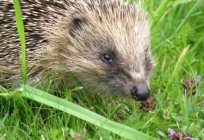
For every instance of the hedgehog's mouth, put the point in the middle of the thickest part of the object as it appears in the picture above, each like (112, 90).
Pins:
(139, 98)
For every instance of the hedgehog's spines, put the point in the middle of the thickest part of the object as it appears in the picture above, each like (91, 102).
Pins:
(74, 35)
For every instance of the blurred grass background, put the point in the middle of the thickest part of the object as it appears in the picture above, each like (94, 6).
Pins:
(175, 25)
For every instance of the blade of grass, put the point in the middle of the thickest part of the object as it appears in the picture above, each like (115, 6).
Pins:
(195, 6)
(21, 33)
(178, 64)
(82, 113)
(161, 11)
(181, 2)
(175, 71)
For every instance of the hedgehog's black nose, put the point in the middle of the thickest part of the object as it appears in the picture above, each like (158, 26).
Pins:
(140, 92)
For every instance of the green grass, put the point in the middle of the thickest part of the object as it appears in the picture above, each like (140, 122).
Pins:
(175, 27)
(21, 32)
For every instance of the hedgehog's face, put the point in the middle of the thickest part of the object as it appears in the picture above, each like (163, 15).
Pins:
(110, 53)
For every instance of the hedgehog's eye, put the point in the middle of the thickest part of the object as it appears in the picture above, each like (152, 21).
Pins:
(108, 58)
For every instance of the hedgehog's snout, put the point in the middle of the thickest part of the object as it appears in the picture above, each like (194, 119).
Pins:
(140, 92)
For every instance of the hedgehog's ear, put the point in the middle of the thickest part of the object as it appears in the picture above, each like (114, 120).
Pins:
(78, 23)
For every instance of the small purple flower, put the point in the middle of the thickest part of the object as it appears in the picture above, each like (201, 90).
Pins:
(179, 135)
(171, 132)
(197, 78)
(187, 138)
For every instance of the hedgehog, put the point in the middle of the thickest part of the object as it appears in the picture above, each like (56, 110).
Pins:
(105, 44)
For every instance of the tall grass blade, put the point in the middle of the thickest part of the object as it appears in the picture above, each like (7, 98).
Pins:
(178, 64)
(195, 6)
(82, 113)
(161, 12)
(181, 2)
(20, 28)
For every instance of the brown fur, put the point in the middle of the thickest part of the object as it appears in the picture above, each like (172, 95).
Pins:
(73, 35)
